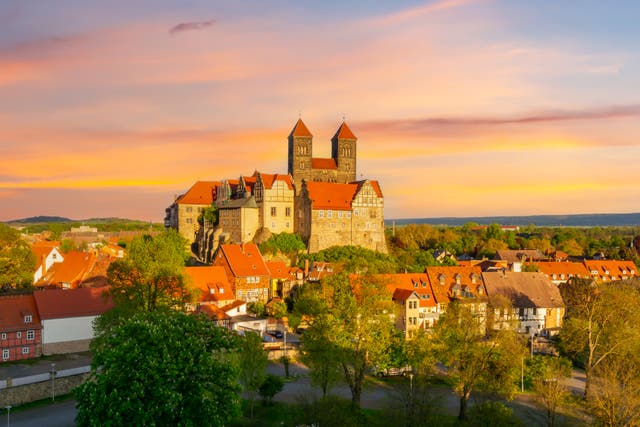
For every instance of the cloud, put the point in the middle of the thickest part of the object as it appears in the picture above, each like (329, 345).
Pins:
(188, 26)
(399, 17)
(411, 126)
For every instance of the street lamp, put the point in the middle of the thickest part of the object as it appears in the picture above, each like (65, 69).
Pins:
(285, 343)
(410, 398)
(53, 381)
(8, 407)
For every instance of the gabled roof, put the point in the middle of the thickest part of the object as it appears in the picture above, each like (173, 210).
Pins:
(374, 184)
(329, 195)
(200, 193)
(13, 309)
(525, 290)
(278, 269)
(318, 163)
(567, 269)
(75, 267)
(244, 259)
(402, 285)
(212, 312)
(46, 244)
(61, 304)
(40, 252)
(269, 179)
(519, 255)
(212, 282)
(344, 132)
(300, 129)
(233, 305)
(445, 280)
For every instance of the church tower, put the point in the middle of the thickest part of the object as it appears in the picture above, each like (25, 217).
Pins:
(343, 151)
(300, 148)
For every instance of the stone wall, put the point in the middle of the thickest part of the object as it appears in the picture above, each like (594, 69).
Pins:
(77, 346)
(31, 392)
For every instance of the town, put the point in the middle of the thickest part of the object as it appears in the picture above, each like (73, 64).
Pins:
(303, 260)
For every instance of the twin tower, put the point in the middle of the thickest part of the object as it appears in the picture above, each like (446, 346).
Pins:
(340, 168)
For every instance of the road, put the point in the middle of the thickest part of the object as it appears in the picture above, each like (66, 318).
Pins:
(61, 414)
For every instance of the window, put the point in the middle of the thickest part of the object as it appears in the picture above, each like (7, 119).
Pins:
(31, 335)
(25, 350)
(348, 214)
(28, 318)
(5, 354)
(274, 211)
(189, 208)
(355, 212)
(4, 335)
(18, 335)
(339, 214)
(287, 225)
(329, 214)
(273, 225)
(189, 221)
(320, 214)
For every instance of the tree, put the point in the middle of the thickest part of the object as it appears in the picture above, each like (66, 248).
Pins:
(67, 245)
(320, 355)
(151, 276)
(354, 315)
(253, 361)
(286, 243)
(17, 263)
(551, 388)
(615, 399)
(161, 368)
(209, 215)
(474, 356)
(601, 322)
(271, 386)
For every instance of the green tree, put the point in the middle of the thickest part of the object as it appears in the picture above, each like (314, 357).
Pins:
(551, 388)
(151, 276)
(271, 385)
(320, 355)
(253, 361)
(210, 215)
(356, 314)
(474, 356)
(277, 309)
(161, 368)
(17, 263)
(601, 322)
(286, 243)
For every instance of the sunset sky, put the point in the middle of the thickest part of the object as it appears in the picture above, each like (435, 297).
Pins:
(461, 107)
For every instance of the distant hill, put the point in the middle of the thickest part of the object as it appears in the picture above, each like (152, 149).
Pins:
(39, 219)
(582, 220)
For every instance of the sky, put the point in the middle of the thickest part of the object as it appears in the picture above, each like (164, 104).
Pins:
(461, 107)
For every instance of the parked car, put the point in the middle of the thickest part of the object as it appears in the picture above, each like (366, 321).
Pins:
(391, 372)
(274, 333)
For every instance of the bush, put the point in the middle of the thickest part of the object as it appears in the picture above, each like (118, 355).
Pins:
(271, 386)
(491, 414)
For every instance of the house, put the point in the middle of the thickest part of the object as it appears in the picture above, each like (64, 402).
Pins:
(536, 301)
(67, 317)
(561, 272)
(319, 270)
(239, 218)
(20, 328)
(416, 304)
(333, 214)
(215, 314)
(280, 279)
(68, 274)
(246, 271)
(211, 284)
(442, 255)
(608, 270)
(515, 258)
(46, 254)
(274, 194)
(183, 214)
(460, 283)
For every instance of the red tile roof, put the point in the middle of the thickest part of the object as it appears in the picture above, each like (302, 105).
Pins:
(300, 129)
(46, 244)
(317, 163)
(444, 281)
(212, 282)
(278, 269)
(60, 304)
(269, 179)
(245, 259)
(400, 284)
(562, 269)
(212, 312)
(75, 267)
(200, 193)
(13, 308)
(613, 269)
(344, 132)
(328, 195)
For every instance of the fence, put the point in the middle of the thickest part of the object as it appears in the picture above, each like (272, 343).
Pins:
(38, 378)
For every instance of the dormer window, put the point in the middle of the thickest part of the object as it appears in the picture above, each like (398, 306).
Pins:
(458, 279)
(474, 278)
(456, 290)
(415, 284)
(424, 284)
(441, 278)
(480, 290)
(28, 318)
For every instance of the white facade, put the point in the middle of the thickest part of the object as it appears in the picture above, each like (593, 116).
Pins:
(53, 256)
(56, 331)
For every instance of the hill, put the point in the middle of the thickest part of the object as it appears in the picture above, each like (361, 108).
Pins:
(582, 220)
(39, 219)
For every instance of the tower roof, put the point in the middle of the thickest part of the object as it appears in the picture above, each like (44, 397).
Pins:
(300, 129)
(344, 132)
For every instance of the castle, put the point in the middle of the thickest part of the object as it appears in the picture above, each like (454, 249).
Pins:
(319, 199)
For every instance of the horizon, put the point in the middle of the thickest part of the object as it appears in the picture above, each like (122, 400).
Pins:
(524, 110)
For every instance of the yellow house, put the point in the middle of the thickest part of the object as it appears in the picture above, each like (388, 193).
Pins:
(274, 195)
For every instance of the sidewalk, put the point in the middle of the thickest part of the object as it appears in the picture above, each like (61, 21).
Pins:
(42, 365)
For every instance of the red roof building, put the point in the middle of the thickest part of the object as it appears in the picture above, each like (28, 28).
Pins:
(246, 271)
(20, 328)
(608, 270)
(212, 285)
